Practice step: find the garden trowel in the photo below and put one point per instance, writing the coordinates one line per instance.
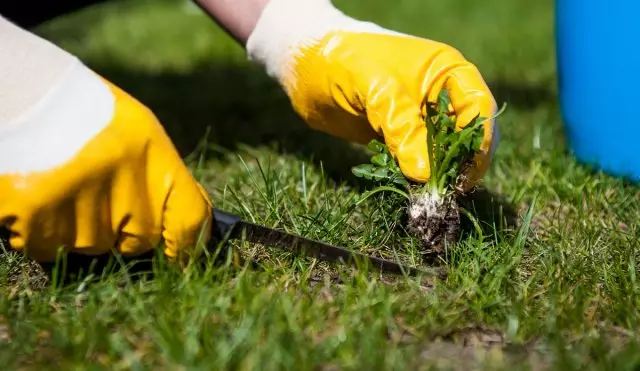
(229, 226)
(232, 227)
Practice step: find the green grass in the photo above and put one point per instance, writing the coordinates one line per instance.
(549, 283)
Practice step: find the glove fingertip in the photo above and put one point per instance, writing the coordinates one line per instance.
(187, 222)
(413, 160)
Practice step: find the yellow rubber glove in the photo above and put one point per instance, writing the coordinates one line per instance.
(91, 169)
(359, 81)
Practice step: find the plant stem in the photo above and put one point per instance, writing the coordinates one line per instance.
(452, 150)
(382, 189)
(445, 163)
(431, 151)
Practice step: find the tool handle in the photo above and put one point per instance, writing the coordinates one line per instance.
(223, 223)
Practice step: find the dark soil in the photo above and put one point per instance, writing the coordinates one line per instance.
(437, 227)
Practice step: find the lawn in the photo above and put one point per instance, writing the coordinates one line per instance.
(549, 282)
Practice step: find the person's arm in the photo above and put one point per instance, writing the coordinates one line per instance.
(237, 17)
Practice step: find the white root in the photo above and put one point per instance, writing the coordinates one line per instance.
(434, 219)
(426, 204)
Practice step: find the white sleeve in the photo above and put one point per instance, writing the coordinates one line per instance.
(51, 104)
(286, 26)
(29, 67)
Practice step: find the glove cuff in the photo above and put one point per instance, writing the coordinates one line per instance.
(287, 26)
(57, 122)
(29, 67)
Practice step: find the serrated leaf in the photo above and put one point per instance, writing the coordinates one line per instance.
(441, 139)
(447, 124)
(452, 148)
(454, 137)
(393, 166)
(382, 159)
(477, 119)
(363, 171)
(443, 101)
(381, 173)
(376, 146)
(466, 140)
(477, 143)
(453, 171)
(455, 151)
(401, 180)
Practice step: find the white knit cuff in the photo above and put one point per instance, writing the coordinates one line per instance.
(286, 26)
(29, 67)
(51, 104)
(50, 133)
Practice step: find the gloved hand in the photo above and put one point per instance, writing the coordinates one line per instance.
(91, 169)
(359, 81)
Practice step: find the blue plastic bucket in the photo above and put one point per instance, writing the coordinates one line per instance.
(598, 55)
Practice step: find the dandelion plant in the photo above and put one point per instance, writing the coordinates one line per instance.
(433, 213)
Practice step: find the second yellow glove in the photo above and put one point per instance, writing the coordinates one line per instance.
(359, 81)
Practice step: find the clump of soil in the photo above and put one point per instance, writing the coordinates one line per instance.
(434, 220)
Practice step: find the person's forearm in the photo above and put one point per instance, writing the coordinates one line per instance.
(237, 17)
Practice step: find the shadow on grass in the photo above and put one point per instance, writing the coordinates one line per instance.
(523, 97)
(73, 269)
(491, 211)
(237, 105)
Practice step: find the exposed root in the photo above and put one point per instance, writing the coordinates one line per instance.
(434, 220)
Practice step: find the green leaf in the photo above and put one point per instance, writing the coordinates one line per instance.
(450, 176)
(393, 166)
(381, 159)
(447, 124)
(476, 120)
(449, 149)
(453, 171)
(401, 181)
(381, 173)
(363, 171)
(441, 141)
(477, 143)
(443, 101)
(453, 152)
(465, 141)
(376, 146)
(431, 148)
